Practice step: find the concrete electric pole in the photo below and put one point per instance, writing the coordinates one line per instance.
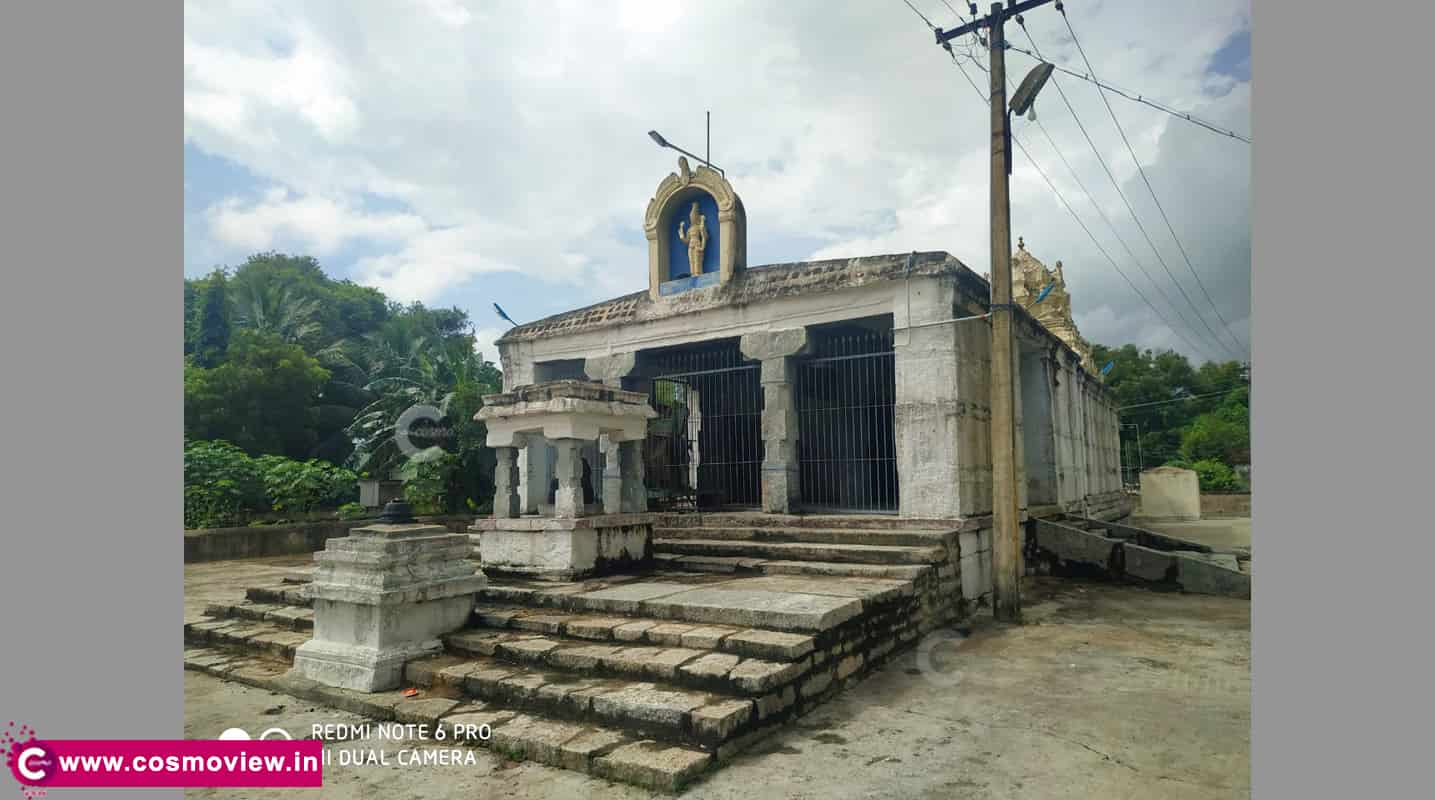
(1006, 538)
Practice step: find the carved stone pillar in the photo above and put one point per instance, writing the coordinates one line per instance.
(781, 485)
(568, 501)
(634, 491)
(505, 483)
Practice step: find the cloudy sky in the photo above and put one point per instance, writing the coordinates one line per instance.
(461, 153)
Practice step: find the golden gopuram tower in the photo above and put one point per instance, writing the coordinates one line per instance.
(1029, 277)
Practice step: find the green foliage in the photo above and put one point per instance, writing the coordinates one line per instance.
(223, 484)
(1213, 475)
(1185, 413)
(220, 481)
(353, 510)
(261, 398)
(212, 324)
(307, 485)
(427, 484)
(1213, 437)
(281, 359)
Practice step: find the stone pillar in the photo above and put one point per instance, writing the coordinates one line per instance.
(634, 490)
(781, 487)
(610, 370)
(533, 461)
(383, 595)
(568, 501)
(505, 483)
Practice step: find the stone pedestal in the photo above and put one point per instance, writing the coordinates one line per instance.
(382, 596)
(550, 548)
(570, 415)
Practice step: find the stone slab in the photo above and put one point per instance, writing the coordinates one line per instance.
(1148, 564)
(1200, 576)
(771, 645)
(757, 608)
(653, 765)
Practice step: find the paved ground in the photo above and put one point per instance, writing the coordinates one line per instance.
(1107, 691)
(1220, 533)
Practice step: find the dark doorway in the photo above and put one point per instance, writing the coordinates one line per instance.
(704, 449)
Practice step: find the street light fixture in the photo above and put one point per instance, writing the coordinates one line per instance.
(661, 142)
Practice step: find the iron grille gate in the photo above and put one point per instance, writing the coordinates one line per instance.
(704, 449)
(845, 400)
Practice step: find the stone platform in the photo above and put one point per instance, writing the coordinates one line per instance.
(651, 678)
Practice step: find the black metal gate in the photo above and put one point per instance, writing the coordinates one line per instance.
(846, 394)
(704, 449)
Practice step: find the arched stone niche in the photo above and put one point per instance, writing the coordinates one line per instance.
(694, 209)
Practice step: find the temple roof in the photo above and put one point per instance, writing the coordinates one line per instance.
(756, 284)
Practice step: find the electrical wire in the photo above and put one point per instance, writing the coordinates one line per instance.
(1137, 98)
(986, 100)
(1117, 186)
(1145, 180)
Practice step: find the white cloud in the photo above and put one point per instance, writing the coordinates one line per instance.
(515, 134)
(483, 344)
(319, 225)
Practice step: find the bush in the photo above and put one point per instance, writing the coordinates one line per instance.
(1213, 475)
(222, 484)
(352, 511)
(427, 487)
(306, 485)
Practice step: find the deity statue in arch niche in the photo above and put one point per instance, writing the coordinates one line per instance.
(694, 234)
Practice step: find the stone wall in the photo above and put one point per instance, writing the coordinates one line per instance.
(259, 541)
(1225, 505)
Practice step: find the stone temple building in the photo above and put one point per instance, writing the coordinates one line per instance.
(848, 385)
(718, 502)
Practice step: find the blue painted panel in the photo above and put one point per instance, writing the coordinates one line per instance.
(677, 250)
(691, 282)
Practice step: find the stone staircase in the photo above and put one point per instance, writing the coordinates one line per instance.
(647, 679)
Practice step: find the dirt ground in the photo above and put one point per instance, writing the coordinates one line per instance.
(1105, 691)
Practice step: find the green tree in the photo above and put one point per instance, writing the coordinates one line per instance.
(212, 335)
(261, 398)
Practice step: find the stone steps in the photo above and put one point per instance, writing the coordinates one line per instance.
(299, 618)
(258, 637)
(747, 602)
(862, 536)
(803, 551)
(588, 747)
(760, 566)
(647, 709)
(284, 594)
(632, 630)
(690, 668)
(878, 522)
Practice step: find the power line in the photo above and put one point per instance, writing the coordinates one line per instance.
(1091, 198)
(1181, 399)
(1137, 98)
(986, 100)
(1142, 228)
(1146, 181)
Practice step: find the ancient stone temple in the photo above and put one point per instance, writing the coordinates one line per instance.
(719, 501)
(842, 386)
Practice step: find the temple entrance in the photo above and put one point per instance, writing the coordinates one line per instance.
(846, 393)
(704, 449)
